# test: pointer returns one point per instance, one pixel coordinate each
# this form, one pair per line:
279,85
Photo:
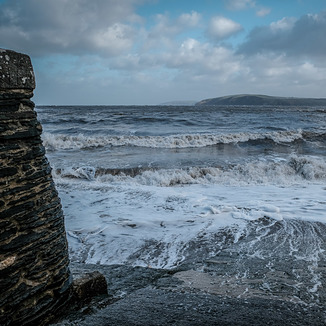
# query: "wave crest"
59,141
296,169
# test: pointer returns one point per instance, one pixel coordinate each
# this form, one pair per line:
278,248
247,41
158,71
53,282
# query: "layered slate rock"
34,275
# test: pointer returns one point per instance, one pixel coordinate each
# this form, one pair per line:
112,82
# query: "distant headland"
248,99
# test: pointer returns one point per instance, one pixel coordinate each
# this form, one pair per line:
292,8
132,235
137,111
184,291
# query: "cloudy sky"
155,51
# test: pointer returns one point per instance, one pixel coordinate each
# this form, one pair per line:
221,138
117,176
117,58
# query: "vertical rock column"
34,275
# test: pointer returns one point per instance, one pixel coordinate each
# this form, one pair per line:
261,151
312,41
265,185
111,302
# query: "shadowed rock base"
145,296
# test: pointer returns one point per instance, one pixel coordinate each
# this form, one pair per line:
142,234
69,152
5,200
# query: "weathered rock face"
34,276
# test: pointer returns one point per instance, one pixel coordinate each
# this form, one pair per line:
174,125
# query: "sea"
162,186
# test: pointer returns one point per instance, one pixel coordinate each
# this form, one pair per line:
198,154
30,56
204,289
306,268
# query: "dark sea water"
180,137
162,186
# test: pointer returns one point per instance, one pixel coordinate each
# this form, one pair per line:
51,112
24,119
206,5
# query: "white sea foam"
150,225
154,217
59,141
280,172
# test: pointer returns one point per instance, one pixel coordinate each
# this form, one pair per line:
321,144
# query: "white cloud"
193,70
221,27
162,34
279,74
74,26
165,27
188,55
283,24
113,52
262,12
122,36
191,20
239,4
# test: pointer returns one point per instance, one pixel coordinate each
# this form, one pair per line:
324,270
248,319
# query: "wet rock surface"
151,306
270,273
260,277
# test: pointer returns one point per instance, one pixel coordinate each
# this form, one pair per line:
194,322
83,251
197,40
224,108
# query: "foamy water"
119,222
160,186
80,141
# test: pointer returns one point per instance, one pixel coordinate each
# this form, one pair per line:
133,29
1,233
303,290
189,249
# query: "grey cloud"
303,37
74,26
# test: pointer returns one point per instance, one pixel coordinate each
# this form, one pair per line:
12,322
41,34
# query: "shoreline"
233,287
184,296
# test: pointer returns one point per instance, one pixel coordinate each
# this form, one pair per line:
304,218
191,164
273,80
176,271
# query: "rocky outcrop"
34,275
89,285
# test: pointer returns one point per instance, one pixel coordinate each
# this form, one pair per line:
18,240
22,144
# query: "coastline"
183,296
233,287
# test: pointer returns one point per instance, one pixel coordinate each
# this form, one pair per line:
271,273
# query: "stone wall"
34,275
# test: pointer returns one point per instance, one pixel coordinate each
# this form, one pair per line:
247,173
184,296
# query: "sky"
145,52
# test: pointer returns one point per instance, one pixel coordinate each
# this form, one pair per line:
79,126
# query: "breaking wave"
58,141
295,170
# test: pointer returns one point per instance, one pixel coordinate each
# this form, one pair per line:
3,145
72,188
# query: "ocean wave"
59,141
296,169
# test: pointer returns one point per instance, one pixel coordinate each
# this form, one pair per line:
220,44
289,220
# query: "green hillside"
247,99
